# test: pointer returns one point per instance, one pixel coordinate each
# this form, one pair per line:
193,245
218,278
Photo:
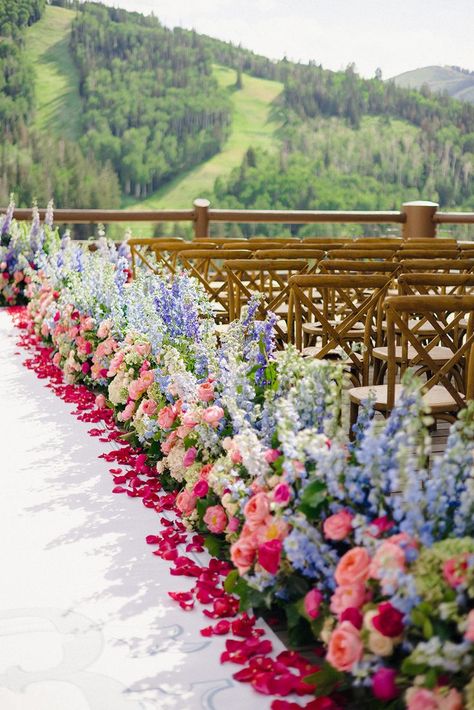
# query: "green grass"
58,106
251,126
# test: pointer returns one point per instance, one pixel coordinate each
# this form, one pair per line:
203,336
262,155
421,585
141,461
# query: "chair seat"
357,330
426,329
438,353
334,354
437,398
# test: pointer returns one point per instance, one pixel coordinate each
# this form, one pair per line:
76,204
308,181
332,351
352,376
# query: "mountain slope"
56,78
457,84
251,126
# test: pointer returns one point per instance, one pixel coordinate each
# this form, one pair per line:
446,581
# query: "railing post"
419,222
201,218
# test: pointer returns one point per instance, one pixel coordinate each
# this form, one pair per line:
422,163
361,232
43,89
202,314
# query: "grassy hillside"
251,125
456,83
56,79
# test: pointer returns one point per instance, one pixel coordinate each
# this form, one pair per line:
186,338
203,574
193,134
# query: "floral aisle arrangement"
20,247
365,549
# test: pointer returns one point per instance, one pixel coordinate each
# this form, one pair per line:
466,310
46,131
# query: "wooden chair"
427,252
337,310
153,252
441,392
353,266
462,265
269,278
312,256
207,266
361,254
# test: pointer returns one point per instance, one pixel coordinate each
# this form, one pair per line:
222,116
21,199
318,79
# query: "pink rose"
382,525
205,471
135,389
242,554
256,509
127,412
353,567
469,635
388,560
190,419
213,415
104,329
452,701
269,555
272,528
57,359
100,401
142,349
190,457
282,493
233,525
201,488
347,596
345,647
147,378
216,519
186,502
205,392
338,526
383,684
421,699
312,603
166,417
149,407
454,570
169,442
272,455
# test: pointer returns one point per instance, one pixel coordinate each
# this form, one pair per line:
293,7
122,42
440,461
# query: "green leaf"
410,668
213,545
231,580
427,629
326,679
431,678
312,499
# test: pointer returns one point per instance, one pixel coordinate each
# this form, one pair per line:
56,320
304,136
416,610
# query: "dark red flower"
388,621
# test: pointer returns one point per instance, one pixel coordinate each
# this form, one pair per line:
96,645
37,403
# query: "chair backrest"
463,265
444,314
207,266
268,277
330,266
435,284
361,253
370,246
320,243
145,251
340,304
424,252
312,256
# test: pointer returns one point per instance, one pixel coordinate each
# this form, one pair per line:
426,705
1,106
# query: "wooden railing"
418,219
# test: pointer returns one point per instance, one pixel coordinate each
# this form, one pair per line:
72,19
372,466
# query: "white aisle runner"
85,620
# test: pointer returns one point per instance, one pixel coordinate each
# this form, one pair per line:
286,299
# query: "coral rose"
345,647
186,502
256,509
216,519
353,567
166,417
242,554
347,596
205,392
149,407
338,526
213,415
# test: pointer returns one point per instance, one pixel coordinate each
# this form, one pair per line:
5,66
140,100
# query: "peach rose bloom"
149,407
186,502
205,392
388,559
452,701
345,647
353,567
256,510
212,415
273,528
190,419
338,526
345,597
147,378
469,635
166,417
242,554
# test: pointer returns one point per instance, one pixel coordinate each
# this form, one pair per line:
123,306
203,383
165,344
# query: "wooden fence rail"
418,219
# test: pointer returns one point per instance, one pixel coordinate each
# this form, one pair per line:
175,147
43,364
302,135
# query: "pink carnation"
201,488
269,555
272,455
189,457
383,684
312,603
216,519
282,493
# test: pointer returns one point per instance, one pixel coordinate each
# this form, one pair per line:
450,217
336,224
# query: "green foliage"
151,104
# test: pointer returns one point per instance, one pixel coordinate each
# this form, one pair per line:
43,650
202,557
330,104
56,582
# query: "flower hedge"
364,548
